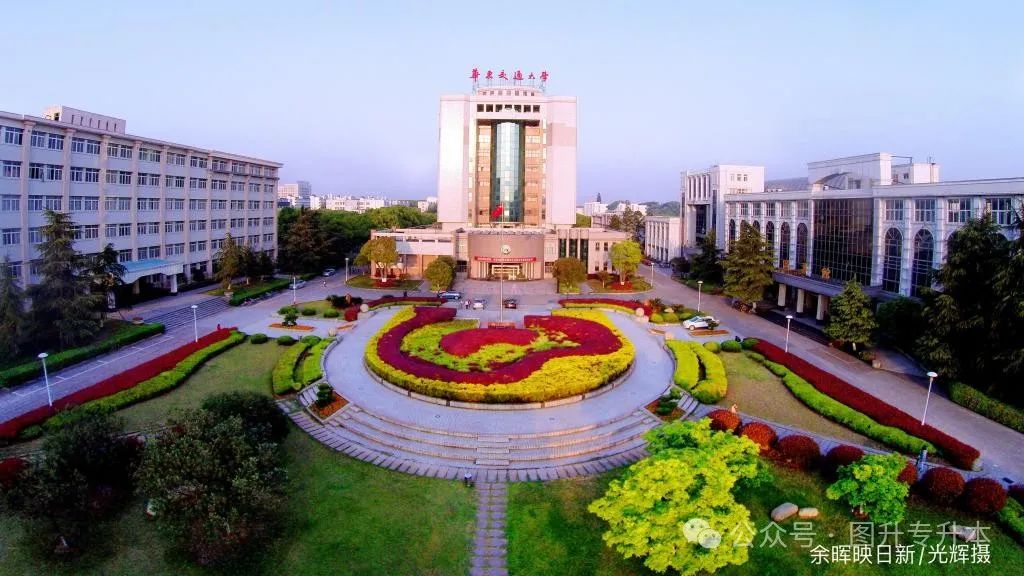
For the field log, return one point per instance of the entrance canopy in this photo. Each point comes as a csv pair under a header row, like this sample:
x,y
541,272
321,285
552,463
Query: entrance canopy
x,y
141,268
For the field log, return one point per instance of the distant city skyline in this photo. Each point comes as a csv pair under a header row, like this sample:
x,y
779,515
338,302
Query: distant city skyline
x,y
346,95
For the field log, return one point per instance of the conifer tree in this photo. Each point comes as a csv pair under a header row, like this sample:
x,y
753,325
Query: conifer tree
x,y
748,266
850,316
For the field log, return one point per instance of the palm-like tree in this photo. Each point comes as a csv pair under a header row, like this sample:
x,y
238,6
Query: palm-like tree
x,y
106,273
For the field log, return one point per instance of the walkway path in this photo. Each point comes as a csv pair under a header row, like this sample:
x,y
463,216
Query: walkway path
x,y
490,545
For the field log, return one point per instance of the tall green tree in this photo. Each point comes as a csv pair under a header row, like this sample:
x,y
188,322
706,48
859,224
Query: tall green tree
x,y
748,266
305,246
107,273
399,217
583,221
615,222
12,312
381,253
63,304
631,222
959,341
850,316
440,273
707,265
901,321
232,257
625,257
569,272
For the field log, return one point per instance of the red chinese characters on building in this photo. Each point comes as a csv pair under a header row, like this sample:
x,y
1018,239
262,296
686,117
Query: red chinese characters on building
x,y
502,75
475,74
517,76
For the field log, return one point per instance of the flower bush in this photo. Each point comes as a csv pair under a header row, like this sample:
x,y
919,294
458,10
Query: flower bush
x,y
762,434
957,452
724,420
909,474
841,455
942,485
983,496
601,355
798,451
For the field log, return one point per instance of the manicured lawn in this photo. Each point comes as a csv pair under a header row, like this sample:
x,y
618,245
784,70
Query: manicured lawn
x,y
758,392
244,367
320,306
368,283
551,532
639,285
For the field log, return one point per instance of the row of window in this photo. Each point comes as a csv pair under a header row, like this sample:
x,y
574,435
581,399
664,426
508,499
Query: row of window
x,y
12,236
12,203
958,210
756,209
55,172
508,108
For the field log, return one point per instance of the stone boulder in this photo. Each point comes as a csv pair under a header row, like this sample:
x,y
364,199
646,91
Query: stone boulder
x,y
807,513
966,533
784,511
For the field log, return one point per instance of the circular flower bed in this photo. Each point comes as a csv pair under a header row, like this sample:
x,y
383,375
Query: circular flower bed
x,y
427,351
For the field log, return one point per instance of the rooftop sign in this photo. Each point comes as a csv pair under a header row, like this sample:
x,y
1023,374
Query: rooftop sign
x,y
502,78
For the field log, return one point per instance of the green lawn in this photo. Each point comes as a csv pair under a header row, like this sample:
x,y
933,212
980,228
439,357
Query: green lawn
x,y
551,532
342,517
639,285
366,282
758,392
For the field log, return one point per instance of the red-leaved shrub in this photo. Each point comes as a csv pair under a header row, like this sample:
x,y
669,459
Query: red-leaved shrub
x,y
9,470
724,420
983,496
909,474
1017,492
762,434
798,451
942,485
841,455
351,314
958,453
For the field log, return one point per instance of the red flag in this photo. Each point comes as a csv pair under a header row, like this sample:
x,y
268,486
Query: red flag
x,y
496,213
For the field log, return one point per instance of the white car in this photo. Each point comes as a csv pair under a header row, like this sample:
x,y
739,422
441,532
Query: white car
x,y
479,304
700,322
297,284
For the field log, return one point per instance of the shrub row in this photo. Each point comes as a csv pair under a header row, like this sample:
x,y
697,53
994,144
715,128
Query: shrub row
x,y
692,359
124,336
246,292
116,383
724,420
311,369
687,370
977,401
155,386
957,452
627,306
837,411
1012,518
283,377
404,301
258,338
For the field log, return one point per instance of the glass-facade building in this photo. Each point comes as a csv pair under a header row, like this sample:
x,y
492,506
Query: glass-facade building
x,y
842,246
507,173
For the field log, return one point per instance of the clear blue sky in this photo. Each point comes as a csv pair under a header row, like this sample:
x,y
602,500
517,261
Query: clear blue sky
x,y
346,94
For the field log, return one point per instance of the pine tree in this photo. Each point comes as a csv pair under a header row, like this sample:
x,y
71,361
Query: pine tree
x,y
63,305
305,246
707,265
12,312
850,316
748,266
106,273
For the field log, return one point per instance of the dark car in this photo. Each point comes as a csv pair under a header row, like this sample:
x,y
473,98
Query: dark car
x,y
450,295
510,303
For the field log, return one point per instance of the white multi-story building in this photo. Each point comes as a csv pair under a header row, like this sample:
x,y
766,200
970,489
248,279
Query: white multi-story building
x,y
594,208
661,237
702,192
866,218
165,207
296,194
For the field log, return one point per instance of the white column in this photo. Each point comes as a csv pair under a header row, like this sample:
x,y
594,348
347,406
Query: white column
x,y
822,303
782,295
799,300
174,283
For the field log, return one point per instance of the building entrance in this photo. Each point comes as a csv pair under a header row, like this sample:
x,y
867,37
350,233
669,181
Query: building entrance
x,y
506,271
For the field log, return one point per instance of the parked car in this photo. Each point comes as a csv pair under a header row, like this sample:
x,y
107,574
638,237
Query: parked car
x,y
510,303
297,284
450,295
330,272
700,322
479,303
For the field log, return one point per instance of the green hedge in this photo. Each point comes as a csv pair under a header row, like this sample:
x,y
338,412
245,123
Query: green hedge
x,y
258,338
309,370
246,292
32,369
843,414
977,401
687,368
715,384
712,347
156,385
731,346
283,377
1012,518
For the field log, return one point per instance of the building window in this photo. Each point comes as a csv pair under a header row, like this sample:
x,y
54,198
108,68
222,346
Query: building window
x,y
801,209
124,255
119,151
924,210
10,203
770,206
197,183
38,139
1001,210
732,233
197,162
218,184
13,136
197,225
55,141
174,226
197,204
35,235
35,171
11,236
787,209
958,210
174,181
921,266
175,203
892,258
12,169
117,204
894,210
801,245
843,239
769,237
177,160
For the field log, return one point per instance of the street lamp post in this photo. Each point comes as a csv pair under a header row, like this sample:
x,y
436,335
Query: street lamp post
x,y
789,319
46,378
195,322
931,379
294,288
700,284
346,270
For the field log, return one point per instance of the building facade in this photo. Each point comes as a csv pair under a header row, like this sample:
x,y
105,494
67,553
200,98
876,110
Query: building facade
x,y
506,201
880,222
702,192
662,238
295,194
165,207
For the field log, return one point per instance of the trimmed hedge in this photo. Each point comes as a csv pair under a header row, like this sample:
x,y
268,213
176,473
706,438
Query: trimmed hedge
x,y
977,401
762,434
714,385
246,293
749,343
958,453
798,451
283,377
942,485
724,420
909,474
258,338
285,340
842,455
687,370
332,313
983,496
405,301
310,370
1012,518
155,386
731,346
713,347
1017,492
32,369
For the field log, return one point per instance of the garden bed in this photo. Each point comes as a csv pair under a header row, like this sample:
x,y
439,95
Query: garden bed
x,y
705,332
297,327
337,403
367,283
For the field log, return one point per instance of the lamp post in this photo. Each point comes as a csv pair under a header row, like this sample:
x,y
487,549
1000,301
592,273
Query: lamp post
x,y
789,319
931,379
195,322
294,287
700,284
346,270
46,378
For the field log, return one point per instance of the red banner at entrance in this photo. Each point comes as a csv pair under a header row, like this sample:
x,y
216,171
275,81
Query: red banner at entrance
x,y
505,260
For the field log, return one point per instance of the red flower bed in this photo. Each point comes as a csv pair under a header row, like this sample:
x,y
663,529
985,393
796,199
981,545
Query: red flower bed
x,y
942,485
115,383
762,434
9,470
631,305
958,453
412,300
984,496
593,338
841,455
798,451
466,342
724,420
